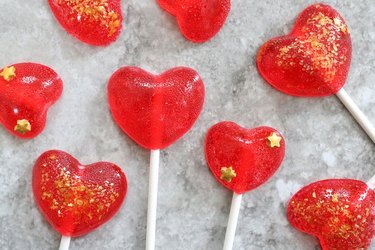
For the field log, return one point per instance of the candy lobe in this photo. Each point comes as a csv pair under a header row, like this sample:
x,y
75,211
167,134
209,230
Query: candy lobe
x,y
26,98
95,22
76,199
199,20
155,111
314,59
243,159
340,212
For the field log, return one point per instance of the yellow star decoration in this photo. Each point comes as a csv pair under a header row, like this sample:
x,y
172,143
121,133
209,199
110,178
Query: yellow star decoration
x,y
22,126
227,174
274,140
8,73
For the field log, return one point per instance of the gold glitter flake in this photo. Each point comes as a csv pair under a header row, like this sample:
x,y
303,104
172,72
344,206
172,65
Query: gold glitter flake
x,y
71,195
8,73
335,198
318,49
227,174
22,126
274,140
95,10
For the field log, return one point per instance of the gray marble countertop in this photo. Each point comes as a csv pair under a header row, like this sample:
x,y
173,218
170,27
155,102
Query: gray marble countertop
x,y
323,140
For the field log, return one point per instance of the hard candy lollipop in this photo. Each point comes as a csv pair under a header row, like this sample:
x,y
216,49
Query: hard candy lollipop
x,y
96,22
313,60
155,111
199,20
27,90
340,212
241,160
74,198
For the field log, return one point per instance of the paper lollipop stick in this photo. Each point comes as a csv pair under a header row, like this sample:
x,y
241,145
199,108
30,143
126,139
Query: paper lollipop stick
x,y
357,113
27,91
76,199
152,198
241,160
371,182
340,212
155,111
64,243
313,60
232,221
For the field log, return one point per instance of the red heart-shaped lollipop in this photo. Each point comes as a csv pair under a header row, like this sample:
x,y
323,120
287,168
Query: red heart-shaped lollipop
x,y
340,212
199,20
75,198
314,59
243,159
96,22
27,90
155,111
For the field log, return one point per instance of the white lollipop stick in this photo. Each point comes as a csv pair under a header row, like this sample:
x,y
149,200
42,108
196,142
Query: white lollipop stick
x,y
357,113
152,199
64,243
371,182
232,221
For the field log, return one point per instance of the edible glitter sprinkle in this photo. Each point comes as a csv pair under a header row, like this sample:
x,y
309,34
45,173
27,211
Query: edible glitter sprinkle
x,y
318,45
336,211
95,10
70,196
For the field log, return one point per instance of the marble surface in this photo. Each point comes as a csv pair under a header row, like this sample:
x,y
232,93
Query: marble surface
x,y
323,140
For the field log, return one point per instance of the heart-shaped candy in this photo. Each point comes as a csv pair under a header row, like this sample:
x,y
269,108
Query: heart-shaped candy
x,y
155,110
27,90
340,212
96,22
199,20
314,59
243,159
76,199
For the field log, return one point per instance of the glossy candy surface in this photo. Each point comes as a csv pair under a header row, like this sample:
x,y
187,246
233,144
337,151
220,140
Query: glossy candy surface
x,y
74,198
199,20
155,110
314,59
340,212
96,22
243,159
27,90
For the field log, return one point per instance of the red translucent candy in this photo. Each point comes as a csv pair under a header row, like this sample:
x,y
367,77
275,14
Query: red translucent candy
x,y
27,90
96,22
155,110
199,20
340,212
243,159
76,199
314,59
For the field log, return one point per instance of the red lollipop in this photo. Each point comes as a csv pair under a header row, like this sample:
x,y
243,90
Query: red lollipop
x,y
27,90
96,22
340,212
199,20
313,60
155,111
76,199
241,160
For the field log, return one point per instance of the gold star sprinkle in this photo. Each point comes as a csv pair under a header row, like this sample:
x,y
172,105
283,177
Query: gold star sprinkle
x,y
227,174
274,140
8,73
22,126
